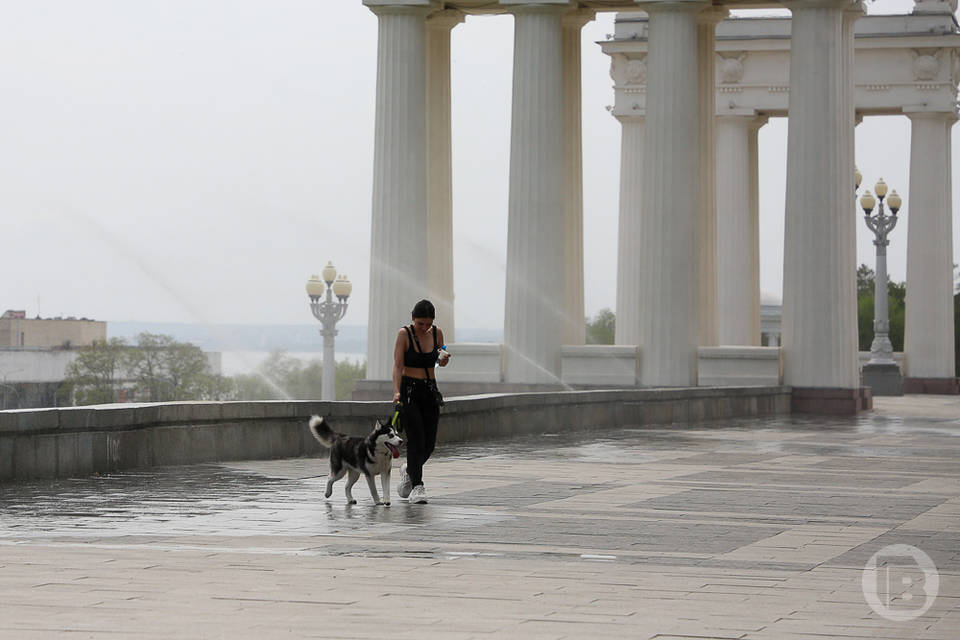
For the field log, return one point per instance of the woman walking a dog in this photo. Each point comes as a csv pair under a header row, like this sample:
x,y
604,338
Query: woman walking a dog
x,y
418,350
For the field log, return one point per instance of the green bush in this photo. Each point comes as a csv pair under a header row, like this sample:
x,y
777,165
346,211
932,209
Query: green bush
x,y
282,377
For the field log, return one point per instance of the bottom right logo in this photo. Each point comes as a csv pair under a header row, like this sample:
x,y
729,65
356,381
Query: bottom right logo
x,y
900,582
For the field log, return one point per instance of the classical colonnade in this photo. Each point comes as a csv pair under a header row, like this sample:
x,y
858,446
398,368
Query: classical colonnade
x,y
668,300
904,65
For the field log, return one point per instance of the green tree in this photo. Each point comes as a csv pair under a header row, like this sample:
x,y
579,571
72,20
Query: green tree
x,y
158,368
865,280
94,377
165,370
602,328
254,386
282,377
348,373
145,366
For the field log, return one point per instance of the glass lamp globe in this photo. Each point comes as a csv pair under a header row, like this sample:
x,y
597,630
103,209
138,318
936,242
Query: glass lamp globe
x,y
868,202
894,201
315,286
329,273
342,287
880,188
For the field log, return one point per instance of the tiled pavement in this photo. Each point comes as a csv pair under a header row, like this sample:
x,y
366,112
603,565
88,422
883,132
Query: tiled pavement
x,y
754,529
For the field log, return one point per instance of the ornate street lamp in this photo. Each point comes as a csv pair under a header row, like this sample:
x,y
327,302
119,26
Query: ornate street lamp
x,y
329,313
881,372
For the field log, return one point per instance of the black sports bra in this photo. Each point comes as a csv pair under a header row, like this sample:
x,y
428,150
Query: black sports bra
x,y
416,359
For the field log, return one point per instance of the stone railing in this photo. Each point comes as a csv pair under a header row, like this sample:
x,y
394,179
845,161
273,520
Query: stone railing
x,y
739,366
83,440
600,364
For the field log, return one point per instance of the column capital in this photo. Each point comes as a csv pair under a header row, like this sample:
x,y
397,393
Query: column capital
x,y
446,19
921,113
516,5
856,10
748,118
745,116
577,18
409,7
713,15
845,5
631,118
759,121
672,5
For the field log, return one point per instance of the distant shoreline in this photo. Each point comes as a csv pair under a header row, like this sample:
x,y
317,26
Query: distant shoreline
x,y
300,341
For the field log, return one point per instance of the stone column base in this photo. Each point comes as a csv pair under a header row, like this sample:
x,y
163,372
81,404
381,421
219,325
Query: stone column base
x,y
942,386
831,401
883,379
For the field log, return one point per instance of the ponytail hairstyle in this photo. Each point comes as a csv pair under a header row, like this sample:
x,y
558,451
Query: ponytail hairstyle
x,y
424,309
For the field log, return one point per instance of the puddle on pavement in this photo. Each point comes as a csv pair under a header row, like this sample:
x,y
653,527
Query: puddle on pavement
x,y
285,498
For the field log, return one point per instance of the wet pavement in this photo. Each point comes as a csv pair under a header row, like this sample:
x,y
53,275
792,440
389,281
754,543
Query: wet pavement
x,y
746,529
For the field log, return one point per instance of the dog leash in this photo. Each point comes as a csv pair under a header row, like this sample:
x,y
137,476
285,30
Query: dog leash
x,y
396,414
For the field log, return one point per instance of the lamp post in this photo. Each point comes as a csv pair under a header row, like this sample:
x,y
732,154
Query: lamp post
x,y
328,312
881,372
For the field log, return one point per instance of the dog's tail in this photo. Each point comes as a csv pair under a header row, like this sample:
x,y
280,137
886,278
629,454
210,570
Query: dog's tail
x,y
321,431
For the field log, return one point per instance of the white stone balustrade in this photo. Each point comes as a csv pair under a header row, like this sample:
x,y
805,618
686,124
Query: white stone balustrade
x,y
740,366
600,365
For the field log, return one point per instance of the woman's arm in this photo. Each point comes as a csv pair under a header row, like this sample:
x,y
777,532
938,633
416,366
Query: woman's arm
x,y
398,350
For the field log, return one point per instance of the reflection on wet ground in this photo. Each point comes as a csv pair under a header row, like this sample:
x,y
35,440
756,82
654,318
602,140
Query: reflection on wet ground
x,y
285,498
751,529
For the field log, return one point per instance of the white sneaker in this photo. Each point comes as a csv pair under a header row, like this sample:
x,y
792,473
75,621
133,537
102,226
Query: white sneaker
x,y
418,495
404,489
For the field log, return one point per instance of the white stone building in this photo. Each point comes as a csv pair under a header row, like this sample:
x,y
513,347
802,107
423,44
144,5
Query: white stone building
x,y
691,97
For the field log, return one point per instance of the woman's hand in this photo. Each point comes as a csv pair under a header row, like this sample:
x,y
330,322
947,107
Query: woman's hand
x,y
396,397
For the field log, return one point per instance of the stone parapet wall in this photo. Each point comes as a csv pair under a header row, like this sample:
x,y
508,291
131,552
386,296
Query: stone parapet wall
x,y
78,441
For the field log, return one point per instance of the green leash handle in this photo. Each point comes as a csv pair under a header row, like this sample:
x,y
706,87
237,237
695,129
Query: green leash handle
x,y
396,414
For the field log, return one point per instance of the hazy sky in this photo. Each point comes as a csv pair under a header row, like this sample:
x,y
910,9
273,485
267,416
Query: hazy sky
x,y
186,161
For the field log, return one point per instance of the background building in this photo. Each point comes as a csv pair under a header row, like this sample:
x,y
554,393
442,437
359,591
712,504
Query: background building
x,y
16,330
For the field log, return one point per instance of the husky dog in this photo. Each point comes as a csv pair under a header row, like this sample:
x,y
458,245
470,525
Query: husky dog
x,y
355,455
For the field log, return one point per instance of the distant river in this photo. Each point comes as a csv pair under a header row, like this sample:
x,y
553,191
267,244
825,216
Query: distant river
x,y
236,362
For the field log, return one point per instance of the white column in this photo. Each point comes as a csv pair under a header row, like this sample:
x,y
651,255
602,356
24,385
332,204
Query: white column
x,y
669,232
574,329
629,245
819,282
439,169
738,235
707,96
534,313
928,325
398,246
847,224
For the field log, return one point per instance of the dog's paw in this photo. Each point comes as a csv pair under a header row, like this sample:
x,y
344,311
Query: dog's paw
x,y
351,502
328,494
383,504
